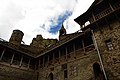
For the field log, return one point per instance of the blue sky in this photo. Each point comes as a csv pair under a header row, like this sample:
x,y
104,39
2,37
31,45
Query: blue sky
x,y
61,18
44,17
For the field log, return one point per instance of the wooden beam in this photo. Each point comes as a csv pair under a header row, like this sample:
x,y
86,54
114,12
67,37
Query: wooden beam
x,y
83,46
93,16
21,61
111,6
12,59
2,54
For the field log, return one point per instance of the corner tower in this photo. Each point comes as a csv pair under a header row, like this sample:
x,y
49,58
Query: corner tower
x,y
16,37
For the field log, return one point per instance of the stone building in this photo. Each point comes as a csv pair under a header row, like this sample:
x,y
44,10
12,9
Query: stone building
x,y
92,54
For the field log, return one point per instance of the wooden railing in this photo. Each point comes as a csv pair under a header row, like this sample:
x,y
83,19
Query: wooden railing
x,y
105,12
69,56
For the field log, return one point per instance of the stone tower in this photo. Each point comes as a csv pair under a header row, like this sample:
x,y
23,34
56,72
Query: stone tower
x,y
62,33
16,37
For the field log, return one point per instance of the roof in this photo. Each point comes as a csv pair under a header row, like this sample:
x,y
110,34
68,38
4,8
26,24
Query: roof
x,y
16,48
69,38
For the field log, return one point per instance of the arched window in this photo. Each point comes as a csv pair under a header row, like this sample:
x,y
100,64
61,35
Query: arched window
x,y
96,68
50,77
97,72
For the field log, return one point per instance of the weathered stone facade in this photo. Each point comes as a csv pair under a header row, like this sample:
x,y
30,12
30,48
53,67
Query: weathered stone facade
x,y
92,54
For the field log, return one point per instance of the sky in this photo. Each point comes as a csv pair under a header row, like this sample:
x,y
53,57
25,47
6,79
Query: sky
x,y
45,17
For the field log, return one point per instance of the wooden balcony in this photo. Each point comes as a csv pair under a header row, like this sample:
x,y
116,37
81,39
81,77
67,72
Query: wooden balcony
x,y
105,12
70,56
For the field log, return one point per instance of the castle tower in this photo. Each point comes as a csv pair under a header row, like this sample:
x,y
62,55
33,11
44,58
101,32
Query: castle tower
x,y
62,33
16,37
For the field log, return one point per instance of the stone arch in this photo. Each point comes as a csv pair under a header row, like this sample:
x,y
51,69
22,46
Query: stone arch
x,y
50,77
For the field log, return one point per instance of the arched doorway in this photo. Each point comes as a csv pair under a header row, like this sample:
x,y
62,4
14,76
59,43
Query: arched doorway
x,y
97,72
50,77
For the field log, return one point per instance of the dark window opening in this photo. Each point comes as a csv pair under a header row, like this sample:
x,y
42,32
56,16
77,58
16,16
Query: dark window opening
x,y
41,61
7,56
70,48
78,44
63,51
32,64
16,59
45,59
25,61
88,41
50,58
56,56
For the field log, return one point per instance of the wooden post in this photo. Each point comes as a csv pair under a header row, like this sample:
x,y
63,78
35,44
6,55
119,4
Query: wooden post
x,y
12,58
83,46
93,17
2,55
21,61
111,7
29,63
66,52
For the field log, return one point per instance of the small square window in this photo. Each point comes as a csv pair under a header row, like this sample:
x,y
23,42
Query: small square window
x,y
109,44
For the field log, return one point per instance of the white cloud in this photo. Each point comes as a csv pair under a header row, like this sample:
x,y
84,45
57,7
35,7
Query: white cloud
x,y
80,8
33,16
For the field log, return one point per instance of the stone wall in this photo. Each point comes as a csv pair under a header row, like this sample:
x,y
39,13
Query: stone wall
x,y
80,68
111,58
11,73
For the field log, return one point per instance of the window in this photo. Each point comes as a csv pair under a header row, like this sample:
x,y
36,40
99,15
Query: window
x,y
73,71
64,67
109,44
65,74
